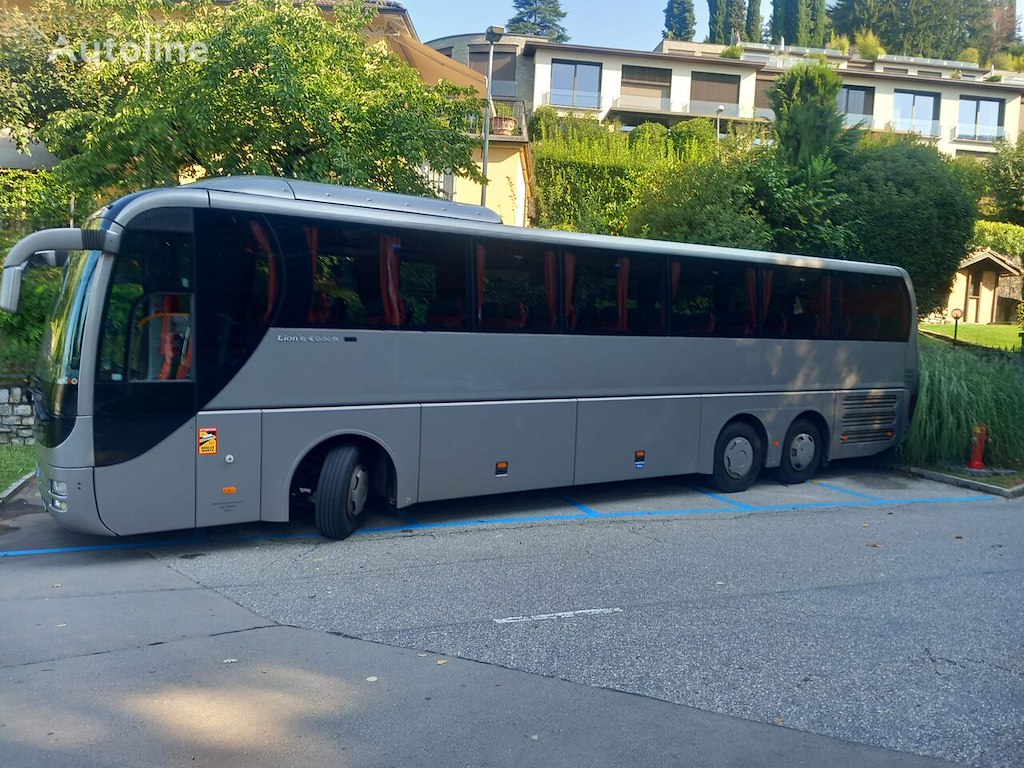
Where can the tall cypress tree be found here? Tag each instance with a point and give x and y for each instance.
(778, 20)
(735, 18)
(540, 18)
(753, 21)
(717, 21)
(819, 24)
(680, 20)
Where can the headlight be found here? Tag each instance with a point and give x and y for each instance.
(58, 488)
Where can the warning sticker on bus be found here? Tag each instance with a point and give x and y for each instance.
(207, 441)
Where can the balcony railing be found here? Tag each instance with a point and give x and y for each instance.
(508, 118)
(928, 128)
(643, 103)
(572, 99)
(851, 119)
(972, 132)
(710, 109)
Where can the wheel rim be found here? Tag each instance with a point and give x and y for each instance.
(358, 489)
(801, 451)
(738, 457)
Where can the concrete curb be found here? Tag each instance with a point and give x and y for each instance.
(16, 486)
(964, 482)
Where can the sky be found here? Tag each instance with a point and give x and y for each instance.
(630, 24)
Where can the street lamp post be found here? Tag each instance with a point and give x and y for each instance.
(492, 35)
(718, 120)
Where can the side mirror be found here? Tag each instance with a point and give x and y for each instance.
(10, 288)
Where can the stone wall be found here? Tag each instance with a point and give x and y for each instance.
(16, 417)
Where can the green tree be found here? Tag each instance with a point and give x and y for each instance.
(819, 26)
(711, 203)
(717, 15)
(906, 206)
(538, 17)
(680, 20)
(934, 28)
(283, 91)
(752, 24)
(1007, 239)
(791, 21)
(808, 123)
(1006, 181)
(735, 19)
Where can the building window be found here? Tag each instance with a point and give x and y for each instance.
(576, 84)
(503, 74)
(857, 100)
(709, 89)
(916, 112)
(646, 87)
(980, 119)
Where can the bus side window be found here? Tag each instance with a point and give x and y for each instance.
(433, 281)
(692, 295)
(873, 307)
(517, 286)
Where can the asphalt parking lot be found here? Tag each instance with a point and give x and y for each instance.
(867, 618)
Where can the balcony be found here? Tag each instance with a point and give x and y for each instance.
(711, 109)
(642, 104)
(572, 99)
(507, 119)
(851, 119)
(927, 128)
(972, 132)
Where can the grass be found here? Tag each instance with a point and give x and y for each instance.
(15, 462)
(959, 389)
(994, 336)
(1003, 481)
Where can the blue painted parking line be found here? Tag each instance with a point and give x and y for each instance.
(721, 498)
(581, 507)
(584, 513)
(837, 489)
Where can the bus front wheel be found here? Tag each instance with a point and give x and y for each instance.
(341, 492)
(801, 452)
(739, 454)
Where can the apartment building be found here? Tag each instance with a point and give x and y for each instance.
(962, 108)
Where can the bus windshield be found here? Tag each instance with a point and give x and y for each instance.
(57, 372)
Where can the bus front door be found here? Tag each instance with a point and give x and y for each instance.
(228, 467)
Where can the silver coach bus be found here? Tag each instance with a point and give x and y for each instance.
(223, 351)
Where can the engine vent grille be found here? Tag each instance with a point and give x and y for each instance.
(868, 418)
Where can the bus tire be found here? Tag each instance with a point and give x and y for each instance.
(341, 492)
(739, 454)
(801, 452)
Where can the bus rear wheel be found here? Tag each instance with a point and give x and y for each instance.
(739, 454)
(341, 492)
(801, 452)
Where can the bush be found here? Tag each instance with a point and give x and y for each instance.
(959, 389)
(868, 45)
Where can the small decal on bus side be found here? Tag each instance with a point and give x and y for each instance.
(207, 441)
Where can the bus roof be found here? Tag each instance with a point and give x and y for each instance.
(350, 196)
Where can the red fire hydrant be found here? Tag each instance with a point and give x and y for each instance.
(979, 437)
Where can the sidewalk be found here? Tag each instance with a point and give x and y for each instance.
(114, 658)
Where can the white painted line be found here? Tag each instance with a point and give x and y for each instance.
(560, 615)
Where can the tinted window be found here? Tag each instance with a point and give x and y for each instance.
(873, 307)
(713, 298)
(344, 275)
(797, 303)
(517, 286)
(613, 292)
(239, 273)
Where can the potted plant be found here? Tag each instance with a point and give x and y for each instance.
(503, 121)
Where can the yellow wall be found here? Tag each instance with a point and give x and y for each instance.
(506, 192)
